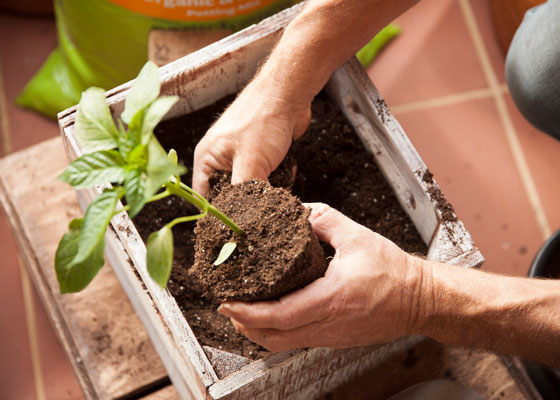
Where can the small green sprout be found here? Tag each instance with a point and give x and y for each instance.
(140, 171)
(226, 251)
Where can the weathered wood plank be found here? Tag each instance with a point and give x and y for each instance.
(483, 372)
(166, 45)
(167, 393)
(106, 342)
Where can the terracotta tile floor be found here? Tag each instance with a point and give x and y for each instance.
(456, 111)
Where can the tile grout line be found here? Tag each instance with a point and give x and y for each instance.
(455, 98)
(7, 146)
(32, 330)
(30, 318)
(506, 121)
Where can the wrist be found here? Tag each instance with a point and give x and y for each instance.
(417, 300)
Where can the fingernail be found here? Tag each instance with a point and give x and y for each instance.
(224, 309)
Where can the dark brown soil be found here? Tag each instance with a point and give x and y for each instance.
(277, 253)
(333, 168)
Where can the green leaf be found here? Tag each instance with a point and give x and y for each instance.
(96, 220)
(95, 128)
(135, 192)
(159, 169)
(74, 277)
(124, 142)
(138, 157)
(155, 112)
(172, 156)
(68, 246)
(93, 168)
(143, 92)
(135, 127)
(226, 251)
(160, 255)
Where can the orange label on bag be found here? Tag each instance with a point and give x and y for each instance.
(193, 10)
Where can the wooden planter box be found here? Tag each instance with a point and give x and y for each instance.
(201, 79)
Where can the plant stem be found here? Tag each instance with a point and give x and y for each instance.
(189, 218)
(125, 208)
(182, 190)
(158, 196)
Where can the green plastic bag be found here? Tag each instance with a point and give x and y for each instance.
(367, 54)
(104, 44)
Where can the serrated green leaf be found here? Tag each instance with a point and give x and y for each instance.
(172, 156)
(135, 192)
(95, 223)
(94, 168)
(159, 169)
(74, 277)
(226, 251)
(155, 112)
(94, 127)
(143, 92)
(160, 255)
(138, 157)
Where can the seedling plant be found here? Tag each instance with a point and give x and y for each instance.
(140, 171)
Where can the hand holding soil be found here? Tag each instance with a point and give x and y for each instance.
(364, 298)
(252, 136)
(277, 253)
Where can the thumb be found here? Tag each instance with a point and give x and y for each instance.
(330, 225)
(248, 165)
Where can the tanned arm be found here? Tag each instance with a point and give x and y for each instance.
(504, 314)
(254, 134)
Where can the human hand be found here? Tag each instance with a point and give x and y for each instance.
(370, 294)
(252, 136)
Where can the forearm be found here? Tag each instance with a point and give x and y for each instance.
(321, 38)
(504, 314)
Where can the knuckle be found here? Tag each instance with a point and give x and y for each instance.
(286, 321)
(322, 208)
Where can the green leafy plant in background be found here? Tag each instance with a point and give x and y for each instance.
(140, 171)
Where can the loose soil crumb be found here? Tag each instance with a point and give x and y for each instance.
(277, 253)
(332, 167)
(446, 209)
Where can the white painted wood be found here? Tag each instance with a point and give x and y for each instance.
(201, 79)
(182, 355)
(381, 133)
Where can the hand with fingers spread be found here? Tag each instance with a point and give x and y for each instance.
(363, 298)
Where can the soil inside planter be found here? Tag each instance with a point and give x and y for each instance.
(333, 167)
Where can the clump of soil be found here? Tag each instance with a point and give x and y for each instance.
(277, 253)
(446, 209)
(332, 167)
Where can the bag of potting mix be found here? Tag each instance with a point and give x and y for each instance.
(103, 43)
